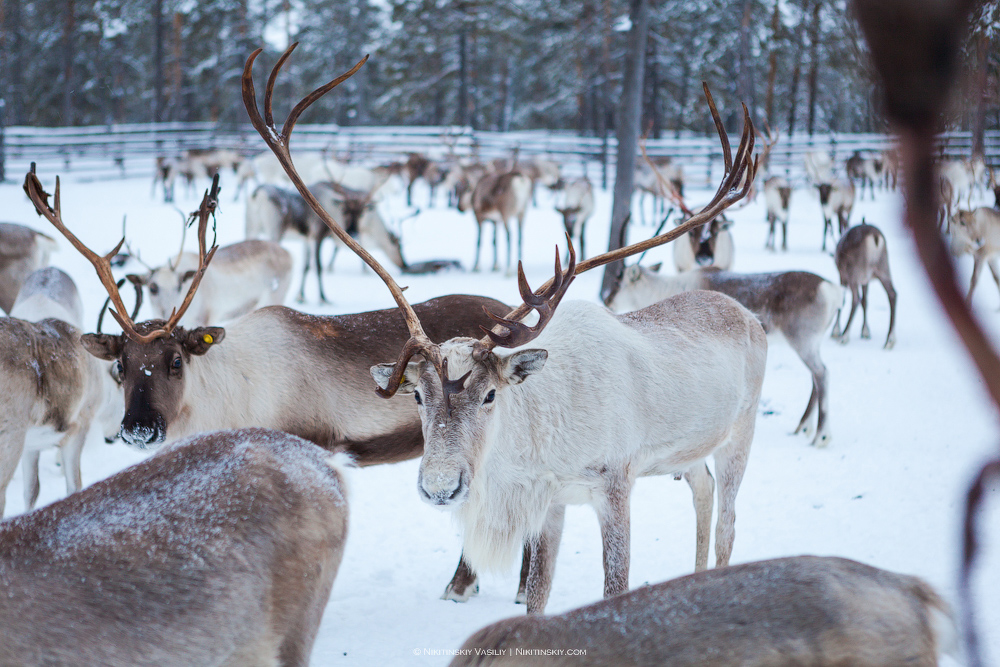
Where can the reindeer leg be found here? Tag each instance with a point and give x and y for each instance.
(29, 474)
(520, 239)
(886, 280)
(479, 243)
(463, 585)
(703, 494)
(544, 550)
(522, 584)
(826, 226)
(866, 333)
(992, 263)
(769, 243)
(855, 298)
(977, 267)
(496, 256)
(506, 229)
(305, 271)
(808, 352)
(71, 448)
(319, 272)
(583, 251)
(614, 517)
(784, 235)
(803, 426)
(730, 464)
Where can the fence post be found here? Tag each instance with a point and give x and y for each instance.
(3, 150)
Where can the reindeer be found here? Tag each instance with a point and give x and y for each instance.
(245, 276)
(541, 171)
(798, 304)
(867, 170)
(860, 256)
(836, 198)
(22, 251)
(53, 389)
(890, 168)
(360, 218)
(977, 233)
(498, 197)
(214, 160)
(576, 210)
(819, 167)
(777, 197)
(593, 448)
(960, 177)
(804, 610)
(279, 368)
(221, 550)
(419, 166)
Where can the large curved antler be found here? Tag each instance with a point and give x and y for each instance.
(278, 143)
(102, 263)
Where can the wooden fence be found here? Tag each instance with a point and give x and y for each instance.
(129, 150)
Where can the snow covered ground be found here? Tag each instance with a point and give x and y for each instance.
(909, 426)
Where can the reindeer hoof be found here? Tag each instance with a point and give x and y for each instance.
(821, 441)
(455, 596)
(843, 340)
(866, 334)
(889, 344)
(521, 598)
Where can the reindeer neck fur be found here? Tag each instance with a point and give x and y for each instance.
(584, 418)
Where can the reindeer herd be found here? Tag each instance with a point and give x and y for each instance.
(223, 546)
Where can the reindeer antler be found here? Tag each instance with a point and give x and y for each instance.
(277, 141)
(102, 263)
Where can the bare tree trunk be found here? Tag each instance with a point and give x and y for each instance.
(654, 115)
(68, 56)
(463, 80)
(979, 121)
(628, 137)
(745, 79)
(772, 65)
(158, 75)
(15, 82)
(813, 64)
(176, 103)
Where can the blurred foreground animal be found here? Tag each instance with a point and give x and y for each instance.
(805, 610)
(22, 251)
(52, 388)
(219, 551)
(860, 256)
(799, 305)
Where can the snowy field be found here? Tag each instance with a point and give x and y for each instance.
(910, 426)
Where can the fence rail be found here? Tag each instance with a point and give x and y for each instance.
(117, 150)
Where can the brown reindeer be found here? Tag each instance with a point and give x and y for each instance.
(860, 256)
(221, 550)
(805, 610)
(836, 199)
(22, 251)
(498, 198)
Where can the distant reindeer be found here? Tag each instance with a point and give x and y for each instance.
(836, 199)
(576, 210)
(358, 215)
(960, 177)
(860, 256)
(221, 550)
(22, 251)
(534, 434)
(890, 168)
(52, 388)
(977, 233)
(418, 166)
(866, 170)
(799, 305)
(819, 167)
(498, 198)
(777, 196)
(214, 160)
(804, 610)
(541, 172)
(243, 277)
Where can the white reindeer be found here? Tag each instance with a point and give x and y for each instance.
(576, 210)
(221, 551)
(799, 305)
(804, 610)
(977, 233)
(777, 197)
(242, 277)
(22, 251)
(52, 388)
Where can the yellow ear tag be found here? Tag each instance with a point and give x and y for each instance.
(208, 339)
(402, 379)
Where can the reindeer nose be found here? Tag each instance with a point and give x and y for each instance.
(143, 433)
(443, 491)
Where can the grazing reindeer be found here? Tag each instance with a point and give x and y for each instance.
(577, 209)
(860, 256)
(243, 277)
(22, 252)
(214, 160)
(498, 197)
(804, 610)
(219, 551)
(777, 196)
(360, 218)
(800, 305)
(279, 368)
(541, 171)
(836, 199)
(593, 449)
(977, 233)
(52, 388)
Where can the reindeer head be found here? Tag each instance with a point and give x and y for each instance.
(148, 358)
(824, 192)
(635, 282)
(569, 215)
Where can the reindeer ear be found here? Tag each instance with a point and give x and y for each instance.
(103, 346)
(188, 275)
(518, 366)
(382, 372)
(137, 279)
(197, 341)
(655, 268)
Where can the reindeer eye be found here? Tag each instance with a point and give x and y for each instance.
(416, 395)
(117, 371)
(176, 363)
(490, 396)
(154, 288)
